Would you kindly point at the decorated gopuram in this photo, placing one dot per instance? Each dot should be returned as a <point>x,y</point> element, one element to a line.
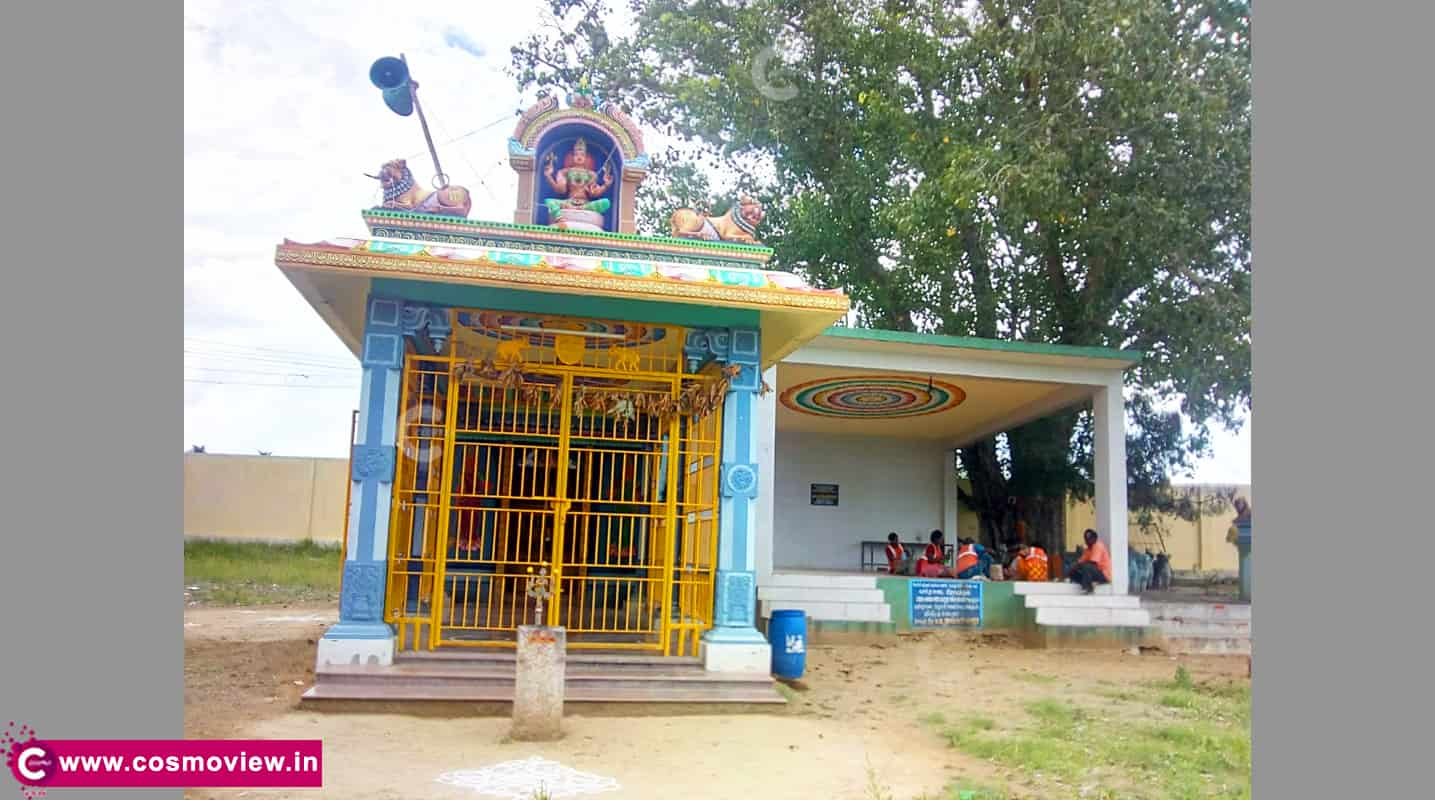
<point>553,395</point>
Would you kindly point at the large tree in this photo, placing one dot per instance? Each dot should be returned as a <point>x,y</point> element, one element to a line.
<point>1064,171</point>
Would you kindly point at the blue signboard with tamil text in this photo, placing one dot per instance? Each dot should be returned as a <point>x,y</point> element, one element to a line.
<point>946,603</point>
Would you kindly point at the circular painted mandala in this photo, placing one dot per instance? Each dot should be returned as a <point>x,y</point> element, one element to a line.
<point>873,397</point>
<point>497,324</point>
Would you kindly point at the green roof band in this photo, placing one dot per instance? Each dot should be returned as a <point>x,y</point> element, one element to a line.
<point>972,342</point>
<point>744,249</point>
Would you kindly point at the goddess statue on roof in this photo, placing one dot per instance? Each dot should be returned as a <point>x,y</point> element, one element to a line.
<point>582,205</point>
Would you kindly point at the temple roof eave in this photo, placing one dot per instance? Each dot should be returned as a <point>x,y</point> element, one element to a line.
<point>791,310</point>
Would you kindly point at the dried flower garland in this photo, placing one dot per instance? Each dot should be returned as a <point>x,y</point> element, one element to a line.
<point>697,399</point>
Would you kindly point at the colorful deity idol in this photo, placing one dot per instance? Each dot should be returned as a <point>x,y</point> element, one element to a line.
<point>582,205</point>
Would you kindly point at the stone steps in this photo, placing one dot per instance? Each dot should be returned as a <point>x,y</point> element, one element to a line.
<point>813,580</point>
<point>1204,628</point>
<point>1208,645</point>
<point>836,612</point>
<point>1200,611</point>
<point>1092,617</point>
<point>809,593</point>
<point>824,598</point>
<point>321,693</point>
<point>588,678</point>
<point>1082,601</point>
<point>1064,617</point>
<point>1057,588</point>
<point>1197,628</point>
<point>576,661</point>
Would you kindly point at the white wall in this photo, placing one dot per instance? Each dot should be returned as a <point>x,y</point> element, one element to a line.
<point>883,485</point>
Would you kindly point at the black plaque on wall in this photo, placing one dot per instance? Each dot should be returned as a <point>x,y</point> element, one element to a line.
<point>824,494</point>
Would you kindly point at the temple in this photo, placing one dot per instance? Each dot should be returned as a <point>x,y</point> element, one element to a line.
<point>681,439</point>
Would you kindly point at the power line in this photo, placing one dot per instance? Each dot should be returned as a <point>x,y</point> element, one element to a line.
<point>275,360</point>
<point>287,367</point>
<point>350,387</point>
<point>242,347</point>
<point>303,375</point>
<point>503,118</point>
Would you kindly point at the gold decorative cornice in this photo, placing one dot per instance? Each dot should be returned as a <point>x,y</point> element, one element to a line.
<point>484,271</point>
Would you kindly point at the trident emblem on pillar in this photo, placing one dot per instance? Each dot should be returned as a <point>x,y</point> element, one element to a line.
<point>539,588</point>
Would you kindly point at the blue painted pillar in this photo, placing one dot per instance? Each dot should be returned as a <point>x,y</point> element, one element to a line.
<point>733,644</point>
<point>361,635</point>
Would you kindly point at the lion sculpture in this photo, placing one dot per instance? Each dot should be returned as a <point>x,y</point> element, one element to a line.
<point>402,194</point>
<point>738,225</point>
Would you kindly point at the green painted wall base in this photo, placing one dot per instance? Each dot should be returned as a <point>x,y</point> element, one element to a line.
<point>1002,607</point>
<point>1105,638</point>
<point>1003,611</point>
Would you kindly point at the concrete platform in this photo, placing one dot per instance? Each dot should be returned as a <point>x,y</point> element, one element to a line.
<point>488,676</point>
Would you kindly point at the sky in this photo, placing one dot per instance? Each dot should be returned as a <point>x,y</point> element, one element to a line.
<point>280,123</point>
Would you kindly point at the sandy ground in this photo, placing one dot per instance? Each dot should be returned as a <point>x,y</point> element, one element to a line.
<point>857,706</point>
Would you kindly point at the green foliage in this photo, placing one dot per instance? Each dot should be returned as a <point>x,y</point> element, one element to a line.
<point>1074,172</point>
<point>1183,678</point>
<point>256,573</point>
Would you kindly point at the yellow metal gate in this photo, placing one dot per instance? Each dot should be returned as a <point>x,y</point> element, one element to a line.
<point>529,452</point>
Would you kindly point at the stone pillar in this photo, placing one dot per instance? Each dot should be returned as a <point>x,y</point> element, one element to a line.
<point>950,498</point>
<point>765,431</point>
<point>523,161</point>
<point>733,644</point>
<point>1109,411</point>
<point>361,636</point>
<point>538,683</point>
<point>628,201</point>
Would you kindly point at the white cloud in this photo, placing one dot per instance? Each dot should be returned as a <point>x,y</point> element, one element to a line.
<point>280,123</point>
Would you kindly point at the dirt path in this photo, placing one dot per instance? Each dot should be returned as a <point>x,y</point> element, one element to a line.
<point>858,705</point>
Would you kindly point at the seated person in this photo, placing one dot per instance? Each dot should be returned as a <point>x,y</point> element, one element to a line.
<point>1094,566</point>
<point>933,560</point>
<point>973,560</point>
<point>896,555</point>
<point>1031,564</point>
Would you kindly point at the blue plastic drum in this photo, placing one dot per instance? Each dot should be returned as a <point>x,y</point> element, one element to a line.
<point>787,633</point>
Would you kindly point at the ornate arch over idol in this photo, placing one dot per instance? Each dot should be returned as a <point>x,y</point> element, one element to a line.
<point>578,167</point>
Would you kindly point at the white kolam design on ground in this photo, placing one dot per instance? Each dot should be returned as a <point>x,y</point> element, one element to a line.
<point>519,780</point>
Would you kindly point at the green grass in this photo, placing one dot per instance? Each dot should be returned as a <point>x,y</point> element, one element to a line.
<point>1176,739</point>
<point>258,573</point>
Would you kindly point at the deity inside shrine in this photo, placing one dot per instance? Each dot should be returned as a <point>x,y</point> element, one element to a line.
<point>580,204</point>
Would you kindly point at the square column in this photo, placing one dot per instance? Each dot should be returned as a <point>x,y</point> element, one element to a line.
<point>765,433</point>
<point>1109,411</point>
<point>951,499</point>
<point>361,636</point>
<point>733,644</point>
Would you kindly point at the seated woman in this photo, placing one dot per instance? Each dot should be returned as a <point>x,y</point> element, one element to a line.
<point>973,560</point>
<point>932,564</point>
<point>1031,564</point>
<point>897,563</point>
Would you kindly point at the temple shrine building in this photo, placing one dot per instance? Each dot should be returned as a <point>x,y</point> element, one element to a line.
<point>678,439</point>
